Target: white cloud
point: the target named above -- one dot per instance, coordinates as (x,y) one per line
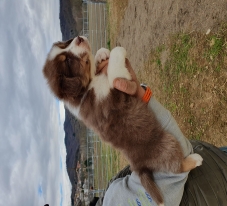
(32,146)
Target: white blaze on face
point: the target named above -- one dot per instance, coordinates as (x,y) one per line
(73,47)
(55,50)
(83,46)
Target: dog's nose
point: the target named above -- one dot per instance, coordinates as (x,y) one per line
(79,40)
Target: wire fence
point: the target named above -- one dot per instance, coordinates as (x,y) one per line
(101,162)
(95,24)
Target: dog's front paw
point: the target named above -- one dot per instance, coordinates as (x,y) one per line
(101,55)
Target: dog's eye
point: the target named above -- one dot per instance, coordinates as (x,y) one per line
(87,61)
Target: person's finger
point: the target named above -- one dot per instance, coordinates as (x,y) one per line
(124,85)
(101,66)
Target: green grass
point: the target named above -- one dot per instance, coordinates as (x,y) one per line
(216,46)
(116,9)
(108,45)
(192,75)
(179,51)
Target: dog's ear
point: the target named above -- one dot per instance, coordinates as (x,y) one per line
(70,87)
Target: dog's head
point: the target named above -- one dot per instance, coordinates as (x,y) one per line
(69,68)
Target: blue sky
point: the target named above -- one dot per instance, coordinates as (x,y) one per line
(32,150)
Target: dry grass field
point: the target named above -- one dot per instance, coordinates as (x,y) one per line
(107,164)
(116,10)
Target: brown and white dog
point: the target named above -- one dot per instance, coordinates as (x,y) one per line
(119,119)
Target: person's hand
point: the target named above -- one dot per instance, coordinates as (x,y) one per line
(130,87)
(102,67)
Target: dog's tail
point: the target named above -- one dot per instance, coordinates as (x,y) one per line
(147,180)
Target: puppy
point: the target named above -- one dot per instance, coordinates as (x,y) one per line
(122,120)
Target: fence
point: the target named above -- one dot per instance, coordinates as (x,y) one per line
(101,161)
(95,24)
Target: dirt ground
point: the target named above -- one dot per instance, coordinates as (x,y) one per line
(147,24)
(197,98)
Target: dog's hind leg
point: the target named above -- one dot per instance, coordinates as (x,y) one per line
(191,161)
(147,180)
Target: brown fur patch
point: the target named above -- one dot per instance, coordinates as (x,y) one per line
(62,58)
(68,76)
